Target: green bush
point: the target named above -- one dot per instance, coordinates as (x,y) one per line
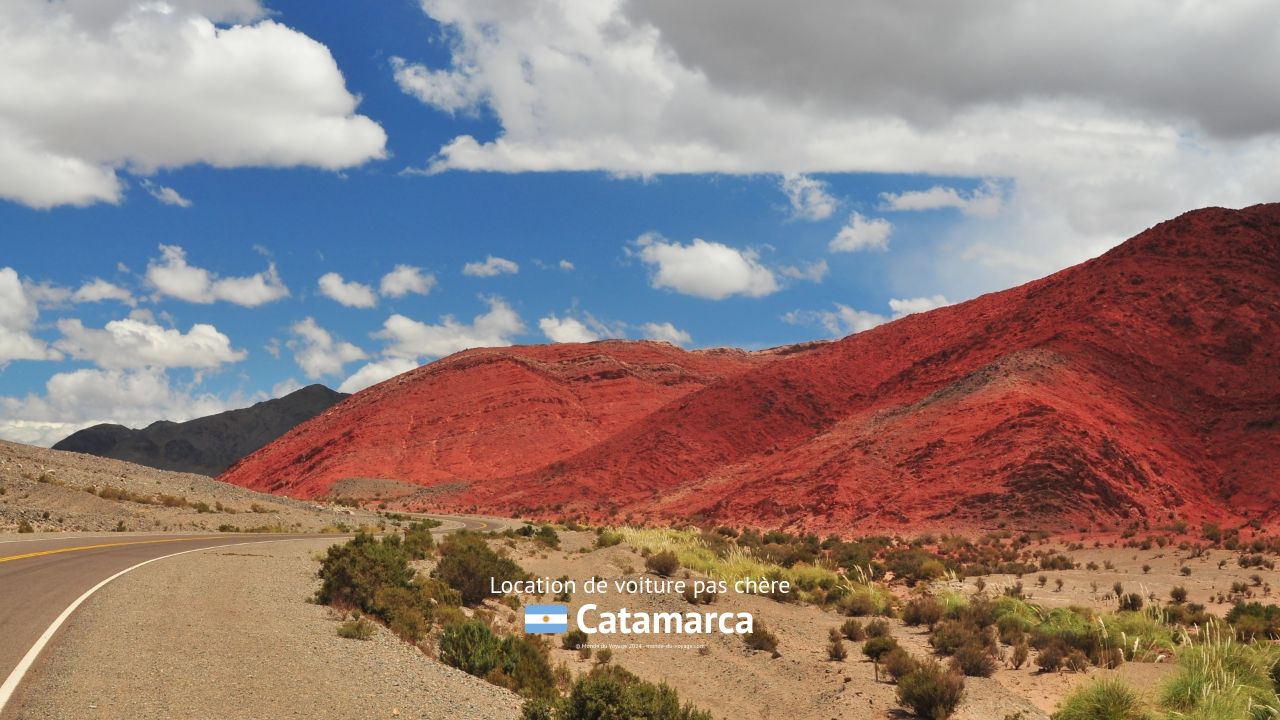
(1102,699)
(1254,620)
(471,647)
(353,573)
(517,662)
(877,647)
(877,628)
(573,639)
(467,564)
(931,691)
(609,692)
(608,538)
(418,542)
(663,563)
(546,535)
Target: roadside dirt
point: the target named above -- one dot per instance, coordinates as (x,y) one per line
(229,634)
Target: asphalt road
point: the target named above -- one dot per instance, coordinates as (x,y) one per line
(44,579)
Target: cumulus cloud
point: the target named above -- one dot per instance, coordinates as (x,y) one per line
(284,387)
(984,202)
(131,343)
(704,269)
(665,332)
(1094,136)
(844,320)
(809,198)
(350,294)
(490,267)
(813,272)
(862,233)
(405,279)
(172,276)
(166,195)
(172,86)
(18,314)
(408,341)
(317,352)
(566,330)
(80,398)
(566,265)
(97,290)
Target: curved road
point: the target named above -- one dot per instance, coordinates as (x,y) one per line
(43,580)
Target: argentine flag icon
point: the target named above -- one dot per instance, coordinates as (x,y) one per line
(546,618)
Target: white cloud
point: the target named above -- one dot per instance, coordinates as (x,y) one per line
(166,195)
(809,198)
(1093,135)
(566,265)
(18,315)
(350,294)
(124,344)
(97,290)
(813,272)
(844,320)
(172,276)
(490,267)
(705,269)
(375,372)
(862,233)
(408,338)
(566,330)
(405,279)
(284,387)
(447,91)
(911,306)
(408,341)
(92,88)
(665,332)
(983,202)
(80,398)
(318,353)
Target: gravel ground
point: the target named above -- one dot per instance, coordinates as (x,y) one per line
(227,634)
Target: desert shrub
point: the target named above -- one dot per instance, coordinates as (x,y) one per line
(1102,699)
(353,573)
(931,691)
(546,535)
(1130,602)
(974,660)
(356,629)
(1178,594)
(924,610)
(25,527)
(853,630)
(761,639)
(877,647)
(835,647)
(573,639)
(898,663)
(467,564)
(1255,620)
(864,599)
(663,563)
(1073,627)
(418,542)
(877,628)
(1011,629)
(1051,656)
(604,656)
(1018,656)
(949,635)
(608,538)
(517,662)
(609,692)
(1076,661)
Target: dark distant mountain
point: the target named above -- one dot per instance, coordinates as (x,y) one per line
(206,445)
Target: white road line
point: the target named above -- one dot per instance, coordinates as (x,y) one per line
(60,536)
(15,677)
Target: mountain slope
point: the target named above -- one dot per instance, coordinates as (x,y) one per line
(206,445)
(1139,386)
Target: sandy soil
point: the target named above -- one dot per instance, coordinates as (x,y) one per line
(229,634)
(47,489)
(803,683)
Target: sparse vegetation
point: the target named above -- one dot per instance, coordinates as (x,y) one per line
(467,564)
(761,639)
(609,692)
(663,563)
(931,691)
(1103,699)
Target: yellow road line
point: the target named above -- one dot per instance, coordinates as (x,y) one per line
(56,551)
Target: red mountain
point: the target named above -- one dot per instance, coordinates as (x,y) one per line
(1143,385)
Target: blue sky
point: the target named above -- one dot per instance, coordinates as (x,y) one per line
(626,165)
